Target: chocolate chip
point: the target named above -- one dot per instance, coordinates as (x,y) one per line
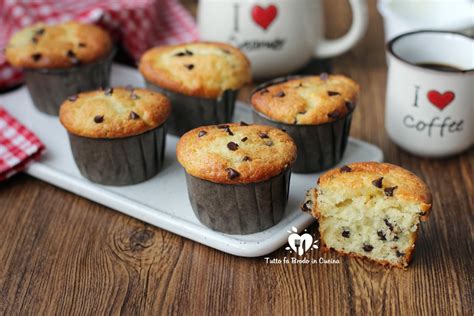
(133,116)
(185,53)
(189,66)
(72,98)
(242,123)
(378,182)
(319,180)
(324,76)
(226,51)
(346,234)
(34,39)
(262,135)
(399,254)
(302,112)
(280,94)
(223,126)
(108,91)
(246,158)
(72,57)
(300,85)
(227,129)
(231,173)
(389,191)
(381,235)
(36,56)
(389,225)
(202,133)
(39,32)
(263,91)
(334,114)
(98,119)
(333,93)
(349,105)
(244,139)
(283,130)
(368,248)
(345,169)
(134,96)
(395,238)
(269,143)
(82,45)
(232,146)
(305,207)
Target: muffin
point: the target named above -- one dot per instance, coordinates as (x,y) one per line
(117,135)
(238,175)
(61,60)
(315,110)
(370,210)
(201,80)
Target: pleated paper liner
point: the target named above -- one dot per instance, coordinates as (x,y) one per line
(120,161)
(239,208)
(48,88)
(192,112)
(319,147)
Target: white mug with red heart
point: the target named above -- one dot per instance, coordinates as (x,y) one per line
(278,36)
(430,92)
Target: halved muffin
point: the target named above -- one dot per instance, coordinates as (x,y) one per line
(370,210)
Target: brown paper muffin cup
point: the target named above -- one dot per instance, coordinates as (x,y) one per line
(48,88)
(191,112)
(239,208)
(319,147)
(120,161)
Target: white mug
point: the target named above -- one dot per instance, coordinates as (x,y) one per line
(278,36)
(407,16)
(430,111)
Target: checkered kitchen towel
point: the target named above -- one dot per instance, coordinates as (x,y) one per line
(18,146)
(138,24)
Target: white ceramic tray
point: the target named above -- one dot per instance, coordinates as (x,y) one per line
(162,201)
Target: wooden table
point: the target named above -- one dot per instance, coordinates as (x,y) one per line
(60,253)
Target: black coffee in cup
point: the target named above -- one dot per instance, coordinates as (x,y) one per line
(439,66)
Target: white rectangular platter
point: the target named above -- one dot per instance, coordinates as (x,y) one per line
(163,200)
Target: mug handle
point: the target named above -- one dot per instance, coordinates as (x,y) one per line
(329,48)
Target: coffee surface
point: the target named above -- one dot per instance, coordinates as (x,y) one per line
(439,66)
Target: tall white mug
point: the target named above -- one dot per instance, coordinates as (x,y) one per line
(430,92)
(278,36)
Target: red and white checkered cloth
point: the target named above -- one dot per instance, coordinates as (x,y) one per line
(18,146)
(138,24)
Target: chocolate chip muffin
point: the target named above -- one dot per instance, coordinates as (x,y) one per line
(315,110)
(371,210)
(201,79)
(117,135)
(238,175)
(61,60)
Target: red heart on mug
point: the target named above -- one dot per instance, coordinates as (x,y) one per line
(440,100)
(264,17)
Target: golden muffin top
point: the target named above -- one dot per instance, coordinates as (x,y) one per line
(236,153)
(308,100)
(201,69)
(392,180)
(114,112)
(58,46)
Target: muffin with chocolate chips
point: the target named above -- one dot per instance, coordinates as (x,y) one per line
(237,175)
(371,210)
(315,110)
(61,60)
(117,135)
(201,80)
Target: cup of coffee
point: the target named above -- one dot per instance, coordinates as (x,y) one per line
(429,101)
(278,36)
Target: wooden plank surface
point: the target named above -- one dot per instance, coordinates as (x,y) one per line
(63,254)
